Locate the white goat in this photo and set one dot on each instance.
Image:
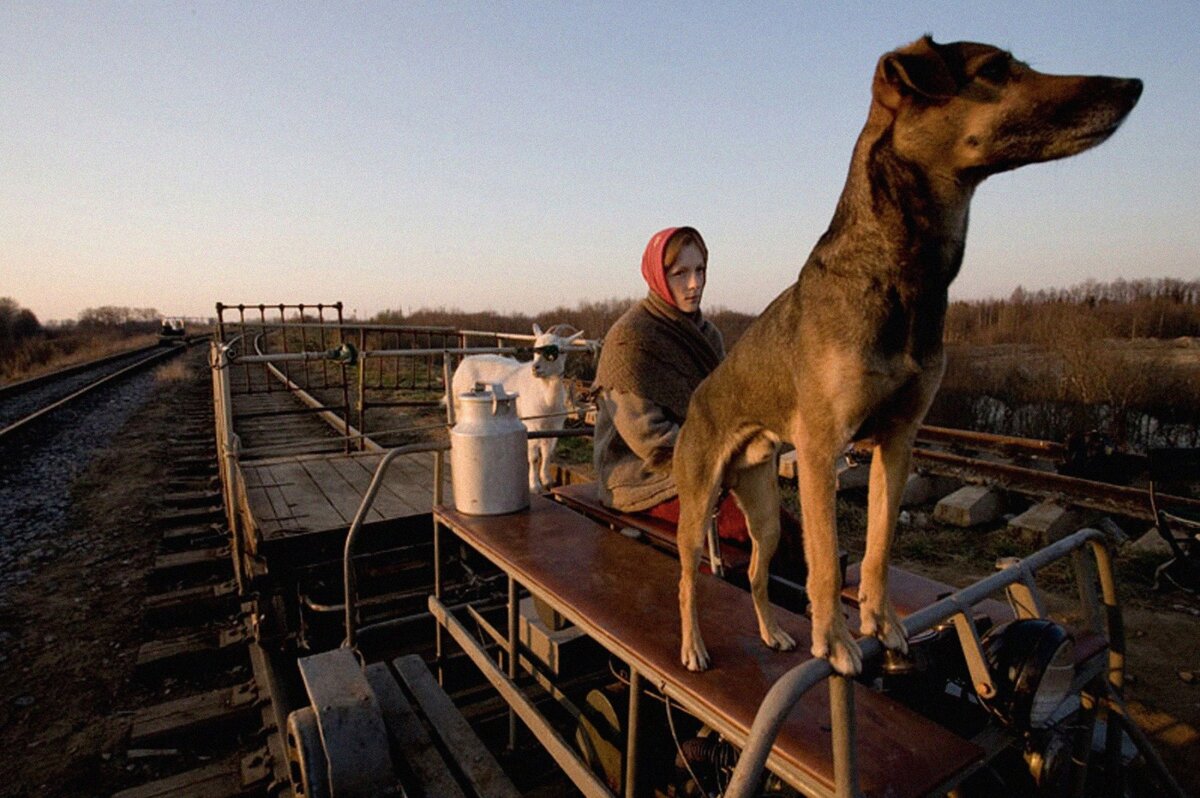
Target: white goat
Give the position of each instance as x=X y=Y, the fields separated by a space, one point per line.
x=541 y=396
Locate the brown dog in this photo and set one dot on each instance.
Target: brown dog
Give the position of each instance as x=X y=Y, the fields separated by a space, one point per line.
x=853 y=349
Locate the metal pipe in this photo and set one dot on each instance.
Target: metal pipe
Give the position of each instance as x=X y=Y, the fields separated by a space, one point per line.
x=512 y=657
x=438 y=466
x=368 y=499
x=841 y=718
x=564 y=754
x=792 y=685
x=322 y=355
x=631 y=732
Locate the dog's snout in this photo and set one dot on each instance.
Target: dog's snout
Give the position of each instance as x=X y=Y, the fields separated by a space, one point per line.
x=1133 y=87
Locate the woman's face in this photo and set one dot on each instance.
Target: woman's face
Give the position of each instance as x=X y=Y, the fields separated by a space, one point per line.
x=685 y=278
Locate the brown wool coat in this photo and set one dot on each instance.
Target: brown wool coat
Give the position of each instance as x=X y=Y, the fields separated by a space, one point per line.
x=653 y=358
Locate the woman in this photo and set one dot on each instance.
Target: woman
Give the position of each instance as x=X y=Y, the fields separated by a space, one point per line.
x=653 y=358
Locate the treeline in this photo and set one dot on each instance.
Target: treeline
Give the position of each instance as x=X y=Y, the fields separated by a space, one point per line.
x=1147 y=308
x=1051 y=352
x=593 y=317
x=27 y=346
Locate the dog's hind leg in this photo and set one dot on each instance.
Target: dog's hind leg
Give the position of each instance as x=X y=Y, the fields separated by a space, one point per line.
x=698 y=487
x=757 y=493
x=889 y=472
x=818 y=489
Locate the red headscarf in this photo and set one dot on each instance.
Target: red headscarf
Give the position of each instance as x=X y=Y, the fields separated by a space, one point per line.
x=654 y=270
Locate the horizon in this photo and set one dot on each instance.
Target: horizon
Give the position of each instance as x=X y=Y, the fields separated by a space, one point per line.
x=516 y=159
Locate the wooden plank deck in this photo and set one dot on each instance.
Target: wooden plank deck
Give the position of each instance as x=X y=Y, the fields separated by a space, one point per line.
x=281 y=424
x=289 y=496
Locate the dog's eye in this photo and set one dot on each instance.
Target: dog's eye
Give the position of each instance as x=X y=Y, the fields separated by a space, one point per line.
x=995 y=70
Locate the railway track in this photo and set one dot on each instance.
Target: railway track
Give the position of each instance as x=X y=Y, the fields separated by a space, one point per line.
x=24 y=403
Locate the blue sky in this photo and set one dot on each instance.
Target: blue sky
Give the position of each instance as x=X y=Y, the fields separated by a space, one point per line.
x=517 y=156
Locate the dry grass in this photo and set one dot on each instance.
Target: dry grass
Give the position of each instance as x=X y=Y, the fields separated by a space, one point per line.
x=174 y=372
x=44 y=355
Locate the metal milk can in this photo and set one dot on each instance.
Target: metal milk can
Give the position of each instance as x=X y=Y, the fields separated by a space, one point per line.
x=489 y=453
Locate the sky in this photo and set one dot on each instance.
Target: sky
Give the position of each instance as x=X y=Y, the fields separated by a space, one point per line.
x=517 y=156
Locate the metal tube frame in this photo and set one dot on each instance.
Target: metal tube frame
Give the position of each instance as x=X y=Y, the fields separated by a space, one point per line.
x=364 y=507
x=792 y=685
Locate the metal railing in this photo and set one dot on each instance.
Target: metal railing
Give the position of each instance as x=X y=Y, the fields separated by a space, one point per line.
x=784 y=694
x=348 y=371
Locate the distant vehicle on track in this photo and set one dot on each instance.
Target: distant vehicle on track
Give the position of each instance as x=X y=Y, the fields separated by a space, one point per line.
x=172 y=328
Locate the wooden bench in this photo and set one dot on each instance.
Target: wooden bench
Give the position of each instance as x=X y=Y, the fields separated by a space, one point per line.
x=624 y=595
x=909 y=591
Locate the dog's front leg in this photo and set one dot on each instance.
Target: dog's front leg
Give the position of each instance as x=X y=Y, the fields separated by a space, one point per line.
x=818 y=485
x=757 y=493
x=889 y=473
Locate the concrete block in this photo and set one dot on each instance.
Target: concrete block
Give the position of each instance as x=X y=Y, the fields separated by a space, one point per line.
x=787 y=465
x=925 y=488
x=1044 y=523
x=970 y=506
x=850 y=477
x=1152 y=543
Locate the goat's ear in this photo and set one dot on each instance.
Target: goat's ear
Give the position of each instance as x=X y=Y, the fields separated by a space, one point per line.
x=576 y=335
x=917 y=69
x=536 y=329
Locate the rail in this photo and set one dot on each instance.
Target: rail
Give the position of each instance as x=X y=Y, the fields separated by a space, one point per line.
x=159 y=354
x=42 y=379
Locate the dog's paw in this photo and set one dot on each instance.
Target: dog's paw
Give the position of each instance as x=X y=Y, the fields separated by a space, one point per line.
x=779 y=640
x=884 y=624
x=842 y=651
x=695 y=657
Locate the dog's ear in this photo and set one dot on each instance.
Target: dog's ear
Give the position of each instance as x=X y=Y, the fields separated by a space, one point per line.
x=917 y=69
x=536 y=329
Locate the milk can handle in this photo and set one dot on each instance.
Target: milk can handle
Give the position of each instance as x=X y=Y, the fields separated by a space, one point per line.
x=498 y=394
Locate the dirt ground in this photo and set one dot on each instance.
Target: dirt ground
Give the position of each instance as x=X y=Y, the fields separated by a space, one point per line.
x=69 y=636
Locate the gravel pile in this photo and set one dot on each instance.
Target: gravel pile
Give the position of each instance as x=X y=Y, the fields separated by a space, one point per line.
x=37 y=469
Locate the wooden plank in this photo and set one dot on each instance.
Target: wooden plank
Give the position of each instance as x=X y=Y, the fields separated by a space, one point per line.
x=410 y=480
x=194 y=714
x=615 y=589
x=475 y=761
x=358 y=471
x=220 y=780
x=338 y=490
x=267 y=503
x=193 y=601
x=306 y=504
x=196 y=558
x=233 y=778
x=409 y=736
x=188 y=536
x=210 y=645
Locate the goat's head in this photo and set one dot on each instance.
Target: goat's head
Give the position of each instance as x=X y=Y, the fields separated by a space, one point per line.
x=550 y=351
